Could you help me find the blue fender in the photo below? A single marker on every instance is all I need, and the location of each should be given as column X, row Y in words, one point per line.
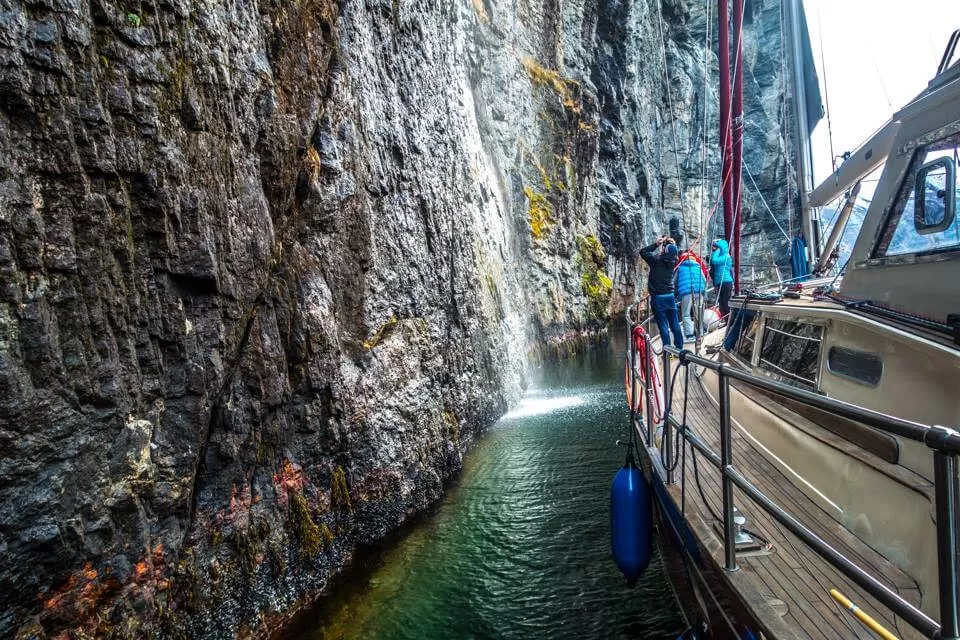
column 631, row 521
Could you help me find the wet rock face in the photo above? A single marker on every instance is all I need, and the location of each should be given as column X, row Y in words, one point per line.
column 266, row 270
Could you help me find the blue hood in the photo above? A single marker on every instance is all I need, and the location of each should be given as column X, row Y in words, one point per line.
column 721, row 263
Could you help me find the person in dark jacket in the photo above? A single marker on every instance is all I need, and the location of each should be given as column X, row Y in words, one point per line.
column 691, row 284
column 662, row 258
column 721, row 270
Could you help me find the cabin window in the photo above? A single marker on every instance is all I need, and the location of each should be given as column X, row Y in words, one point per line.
column 748, row 334
column 860, row 366
column 923, row 218
column 791, row 350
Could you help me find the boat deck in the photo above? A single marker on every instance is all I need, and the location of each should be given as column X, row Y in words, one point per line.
column 789, row 589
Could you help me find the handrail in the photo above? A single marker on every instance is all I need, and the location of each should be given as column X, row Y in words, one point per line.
column 944, row 442
column 948, row 52
column 935, row 437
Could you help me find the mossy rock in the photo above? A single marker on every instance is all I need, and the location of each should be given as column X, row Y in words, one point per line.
column 596, row 284
column 248, row 543
column 453, row 425
column 591, row 252
column 304, row 528
column 339, row 491
column 326, row 535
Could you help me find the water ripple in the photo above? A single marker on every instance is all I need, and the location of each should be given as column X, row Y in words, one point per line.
column 520, row 547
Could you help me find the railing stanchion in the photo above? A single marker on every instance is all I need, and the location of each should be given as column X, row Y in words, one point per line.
column 667, row 427
column 648, row 386
column 726, row 462
column 945, row 481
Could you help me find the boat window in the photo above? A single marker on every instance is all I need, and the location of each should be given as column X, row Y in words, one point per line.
column 923, row 218
column 791, row 350
column 861, row 366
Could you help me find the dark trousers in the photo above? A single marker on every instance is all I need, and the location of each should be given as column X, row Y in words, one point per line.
column 723, row 298
column 665, row 313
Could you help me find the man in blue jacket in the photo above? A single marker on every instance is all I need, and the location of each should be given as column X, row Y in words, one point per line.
column 691, row 284
column 721, row 270
column 662, row 258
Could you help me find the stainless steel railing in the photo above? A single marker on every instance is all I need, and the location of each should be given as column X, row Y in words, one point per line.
column 944, row 442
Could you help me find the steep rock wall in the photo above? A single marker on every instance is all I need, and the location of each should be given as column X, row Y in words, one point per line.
column 267, row 269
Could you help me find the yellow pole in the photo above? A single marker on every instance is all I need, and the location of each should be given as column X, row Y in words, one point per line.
column 862, row 616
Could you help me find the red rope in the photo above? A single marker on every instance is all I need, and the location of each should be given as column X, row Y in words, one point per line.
column 643, row 356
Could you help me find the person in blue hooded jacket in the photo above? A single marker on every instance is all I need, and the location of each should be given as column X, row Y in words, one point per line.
column 721, row 271
column 691, row 284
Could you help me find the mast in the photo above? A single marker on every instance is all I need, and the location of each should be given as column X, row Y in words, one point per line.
column 791, row 10
column 737, row 136
column 726, row 143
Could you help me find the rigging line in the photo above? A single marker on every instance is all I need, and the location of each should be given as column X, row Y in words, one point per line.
column 826, row 93
column 701, row 231
column 882, row 85
column 783, row 115
column 706, row 133
column 764, row 201
column 673, row 117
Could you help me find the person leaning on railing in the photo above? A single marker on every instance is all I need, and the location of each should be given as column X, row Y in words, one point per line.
column 662, row 258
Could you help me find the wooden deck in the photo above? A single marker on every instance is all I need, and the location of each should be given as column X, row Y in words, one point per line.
column 788, row 589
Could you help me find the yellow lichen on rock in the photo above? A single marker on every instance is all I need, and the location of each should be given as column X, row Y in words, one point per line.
column 311, row 163
column 563, row 87
column 383, row 332
column 540, row 213
column 596, row 284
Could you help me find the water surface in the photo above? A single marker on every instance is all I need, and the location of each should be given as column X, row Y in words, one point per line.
column 519, row 548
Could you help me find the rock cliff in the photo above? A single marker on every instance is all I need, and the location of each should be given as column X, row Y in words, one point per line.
column 267, row 268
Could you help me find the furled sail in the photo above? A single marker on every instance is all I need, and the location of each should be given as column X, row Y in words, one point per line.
column 811, row 83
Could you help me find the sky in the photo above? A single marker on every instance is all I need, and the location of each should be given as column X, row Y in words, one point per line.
column 879, row 55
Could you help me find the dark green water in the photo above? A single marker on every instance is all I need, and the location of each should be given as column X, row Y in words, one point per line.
column 519, row 548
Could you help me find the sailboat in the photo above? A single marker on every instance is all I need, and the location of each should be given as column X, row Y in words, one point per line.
column 804, row 468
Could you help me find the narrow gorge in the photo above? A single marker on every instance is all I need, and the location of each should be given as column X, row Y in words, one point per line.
column 268, row 268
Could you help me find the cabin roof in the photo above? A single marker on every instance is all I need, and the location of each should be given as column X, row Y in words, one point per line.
column 820, row 307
